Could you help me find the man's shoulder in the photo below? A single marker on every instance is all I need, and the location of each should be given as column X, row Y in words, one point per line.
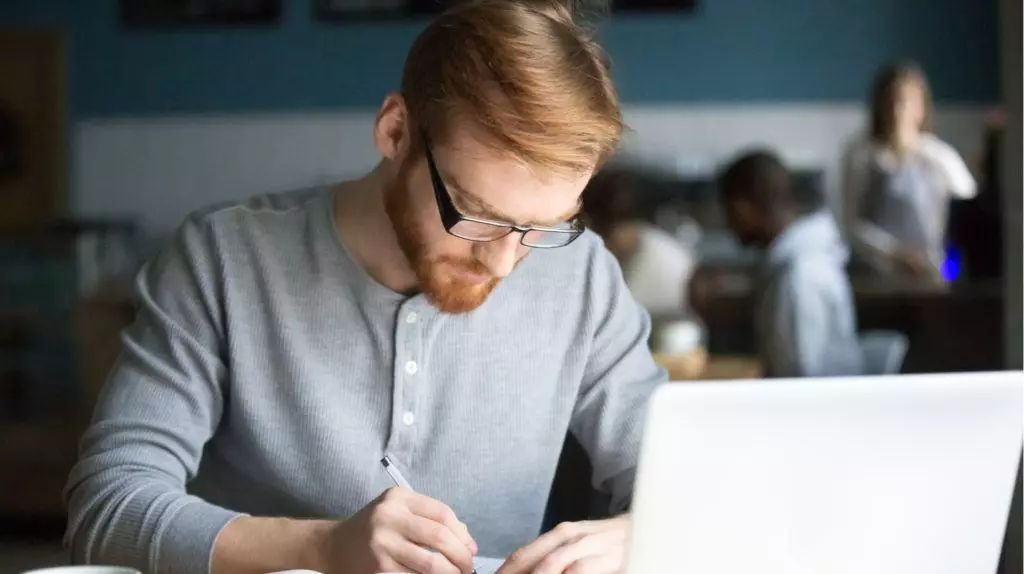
column 580, row 279
column 584, row 262
column 229, row 228
column 255, row 209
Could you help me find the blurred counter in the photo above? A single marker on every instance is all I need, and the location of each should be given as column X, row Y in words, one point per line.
column 699, row 366
column 952, row 327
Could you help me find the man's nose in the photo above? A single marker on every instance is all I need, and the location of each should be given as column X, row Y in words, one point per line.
column 499, row 256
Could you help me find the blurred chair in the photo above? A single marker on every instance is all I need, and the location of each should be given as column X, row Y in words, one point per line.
column 883, row 351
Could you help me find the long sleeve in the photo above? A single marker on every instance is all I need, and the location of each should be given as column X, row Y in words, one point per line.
column 126, row 496
column 658, row 272
column 810, row 336
column 798, row 345
column 619, row 377
column 952, row 171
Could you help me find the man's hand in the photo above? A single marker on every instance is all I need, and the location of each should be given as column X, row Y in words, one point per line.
column 594, row 547
column 398, row 532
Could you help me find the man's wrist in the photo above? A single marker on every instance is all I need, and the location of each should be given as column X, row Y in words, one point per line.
column 253, row 544
column 317, row 550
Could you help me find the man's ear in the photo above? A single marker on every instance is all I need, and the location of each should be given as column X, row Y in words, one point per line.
column 391, row 132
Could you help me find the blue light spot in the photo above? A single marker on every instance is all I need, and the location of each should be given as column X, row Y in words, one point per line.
column 951, row 265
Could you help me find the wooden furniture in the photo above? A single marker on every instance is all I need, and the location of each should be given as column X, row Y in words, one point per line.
column 37, row 443
column 685, row 366
column 725, row 367
column 698, row 365
column 38, row 451
column 98, row 322
column 33, row 98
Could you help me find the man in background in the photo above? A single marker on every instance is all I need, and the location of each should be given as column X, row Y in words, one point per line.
column 805, row 323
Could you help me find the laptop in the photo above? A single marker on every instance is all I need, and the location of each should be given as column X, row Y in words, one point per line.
column 880, row 475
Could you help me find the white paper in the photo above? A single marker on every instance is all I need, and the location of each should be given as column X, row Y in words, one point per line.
column 485, row 565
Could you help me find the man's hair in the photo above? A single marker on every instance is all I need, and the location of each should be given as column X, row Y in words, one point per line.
column 759, row 177
column 884, row 91
column 521, row 70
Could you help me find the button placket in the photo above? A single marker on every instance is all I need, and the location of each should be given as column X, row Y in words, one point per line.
column 407, row 372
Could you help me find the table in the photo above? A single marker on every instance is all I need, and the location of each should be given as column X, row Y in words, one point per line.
column 697, row 365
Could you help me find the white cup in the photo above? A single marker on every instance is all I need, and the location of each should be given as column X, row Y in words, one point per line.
column 84, row 570
column 678, row 337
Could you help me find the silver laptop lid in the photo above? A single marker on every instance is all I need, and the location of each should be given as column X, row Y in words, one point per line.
column 884, row 475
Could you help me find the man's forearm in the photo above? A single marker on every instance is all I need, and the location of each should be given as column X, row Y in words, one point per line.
column 260, row 545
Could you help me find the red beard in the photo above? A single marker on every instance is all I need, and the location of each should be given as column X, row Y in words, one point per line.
column 438, row 277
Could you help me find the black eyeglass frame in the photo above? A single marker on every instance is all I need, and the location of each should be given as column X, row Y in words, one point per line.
column 451, row 216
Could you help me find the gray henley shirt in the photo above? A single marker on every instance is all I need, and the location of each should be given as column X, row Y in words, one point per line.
column 266, row 373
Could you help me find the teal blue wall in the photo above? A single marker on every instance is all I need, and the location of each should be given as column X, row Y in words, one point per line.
column 729, row 51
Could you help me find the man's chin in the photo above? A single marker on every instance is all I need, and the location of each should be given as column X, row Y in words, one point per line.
column 460, row 297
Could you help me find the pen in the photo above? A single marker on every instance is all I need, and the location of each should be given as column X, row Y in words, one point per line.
column 395, row 474
column 397, row 478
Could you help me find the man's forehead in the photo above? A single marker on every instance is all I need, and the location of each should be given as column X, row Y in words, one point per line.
column 480, row 206
column 469, row 150
column 499, row 185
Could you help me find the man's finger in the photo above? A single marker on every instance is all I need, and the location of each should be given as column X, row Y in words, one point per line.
column 431, row 509
column 564, row 556
column 612, row 560
column 528, row 557
column 466, row 538
column 391, row 564
column 607, row 564
column 437, row 536
column 418, row 560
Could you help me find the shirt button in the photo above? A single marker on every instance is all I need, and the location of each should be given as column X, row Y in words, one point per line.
column 412, row 317
column 408, row 418
column 411, row 367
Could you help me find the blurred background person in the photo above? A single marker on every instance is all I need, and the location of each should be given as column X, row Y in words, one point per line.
column 899, row 178
column 656, row 266
column 804, row 318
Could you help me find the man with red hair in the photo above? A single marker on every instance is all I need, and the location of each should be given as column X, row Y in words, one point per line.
column 285, row 344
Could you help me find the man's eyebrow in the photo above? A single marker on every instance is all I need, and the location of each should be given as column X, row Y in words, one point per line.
column 481, row 208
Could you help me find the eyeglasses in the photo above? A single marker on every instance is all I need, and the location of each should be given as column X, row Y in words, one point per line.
column 483, row 230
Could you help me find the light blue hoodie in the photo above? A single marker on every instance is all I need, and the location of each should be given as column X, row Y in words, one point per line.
column 805, row 320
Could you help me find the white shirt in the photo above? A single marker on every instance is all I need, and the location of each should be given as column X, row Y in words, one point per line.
column 658, row 272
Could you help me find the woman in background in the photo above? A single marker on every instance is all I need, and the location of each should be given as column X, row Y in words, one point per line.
column 898, row 179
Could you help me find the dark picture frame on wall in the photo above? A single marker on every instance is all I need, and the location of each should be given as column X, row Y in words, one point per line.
column 641, row 6
column 193, row 13
column 347, row 10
